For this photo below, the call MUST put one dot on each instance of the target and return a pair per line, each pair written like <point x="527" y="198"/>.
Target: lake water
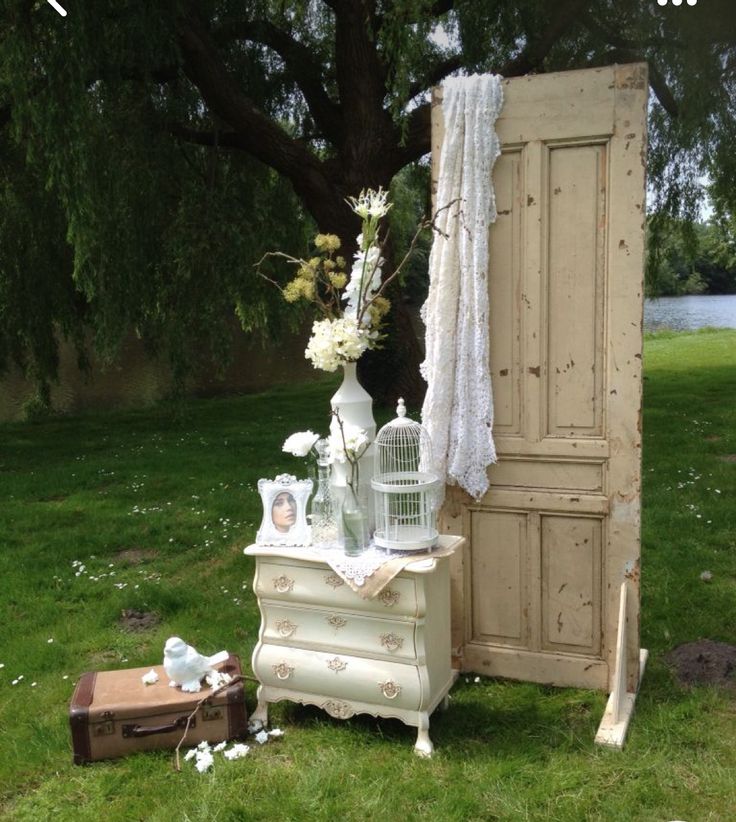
<point x="691" y="312"/>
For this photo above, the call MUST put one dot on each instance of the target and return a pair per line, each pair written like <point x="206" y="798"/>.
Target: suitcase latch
<point x="107" y="726"/>
<point x="211" y="712"/>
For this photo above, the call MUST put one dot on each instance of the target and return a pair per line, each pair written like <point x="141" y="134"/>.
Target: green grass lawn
<point x="157" y="508"/>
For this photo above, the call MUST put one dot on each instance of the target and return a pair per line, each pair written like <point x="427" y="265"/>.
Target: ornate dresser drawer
<point x="389" y="684"/>
<point x="323" y="587"/>
<point x="339" y="631"/>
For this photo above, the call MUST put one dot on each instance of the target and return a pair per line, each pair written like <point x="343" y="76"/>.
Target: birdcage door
<point x="536" y="593"/>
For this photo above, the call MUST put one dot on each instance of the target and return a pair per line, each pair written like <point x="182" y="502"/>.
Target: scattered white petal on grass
<point x="2" y="664"/>
<point x="15" y="682"/>
<point x="33" y="684"/>
<point x="220" y="746"/>
<point x="717" y="491"/>
<point x="276" y="733"/>
<point x="254" y="726"/>
<point x="20" y="676"/>
<point x="204" y="762"/>
<point x="477" y="679"/>
<point x="66" y="676"/>
<point x="50" y="640"/>
<point x="190" y="754"/>
<point x="237" y="751"/>
<point x="262" y="737"/>
<point x="151" y="678"/>
<point x="706" y="576"/>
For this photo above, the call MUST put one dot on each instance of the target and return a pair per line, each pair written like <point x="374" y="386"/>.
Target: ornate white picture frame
<point x="284" y="511"/>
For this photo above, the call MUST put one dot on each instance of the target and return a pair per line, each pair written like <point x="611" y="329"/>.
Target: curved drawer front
<point x="342" y="631"/>
<point x="322" y="586"/>
<point x="346" y="677"/>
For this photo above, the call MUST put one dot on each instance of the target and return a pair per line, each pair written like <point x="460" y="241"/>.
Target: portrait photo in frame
<point x="284" y="511"/>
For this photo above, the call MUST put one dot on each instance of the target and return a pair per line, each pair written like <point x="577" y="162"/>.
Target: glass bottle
<point x="324" y="526"/>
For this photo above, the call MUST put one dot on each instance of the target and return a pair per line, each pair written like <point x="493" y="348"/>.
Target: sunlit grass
<point x="158" y="508"/>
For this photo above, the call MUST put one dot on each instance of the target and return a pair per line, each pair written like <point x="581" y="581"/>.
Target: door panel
<point x="535" y="596"/>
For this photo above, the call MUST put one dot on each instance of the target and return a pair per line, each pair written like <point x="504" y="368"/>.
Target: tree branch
<point x="532" y="57"/>
<point x="223" y="139"/>
<point x="436" y="75"/>
<point x="303" y="69"/>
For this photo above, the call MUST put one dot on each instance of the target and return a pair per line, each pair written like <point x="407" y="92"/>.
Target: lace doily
<point x="358" y="569"/>
<point x="458" y="407"/>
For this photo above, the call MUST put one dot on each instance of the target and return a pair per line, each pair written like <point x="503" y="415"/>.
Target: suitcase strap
<point x="151" y="730"/>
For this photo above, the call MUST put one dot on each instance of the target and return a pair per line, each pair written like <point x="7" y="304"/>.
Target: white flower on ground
<point x="276" y="733"/>
<point x="150" y="678"/>
<point x="237" y="751"/>
<point x="300" y="443"/>
<point x="190" y="754"/>
<point x="262" y="737"/>
<point x="204" y="762"/>
<point x="220" y="746"/>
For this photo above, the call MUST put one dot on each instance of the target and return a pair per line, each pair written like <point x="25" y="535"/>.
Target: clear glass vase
<point x="324" y="524"/>
<point x="353" y="522"/>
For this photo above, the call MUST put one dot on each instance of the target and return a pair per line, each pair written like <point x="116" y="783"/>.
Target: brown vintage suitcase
<point x="112" y="713"/>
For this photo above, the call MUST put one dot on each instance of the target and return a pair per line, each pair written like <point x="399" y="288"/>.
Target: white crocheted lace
<point x="358" y="569"/>
<point x="458" y="408"/>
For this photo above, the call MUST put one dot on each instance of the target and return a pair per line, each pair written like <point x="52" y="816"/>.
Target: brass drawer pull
<point x="391" y="642"/>
<point x="337" y="665"/>
<point x="283" y="670"/>
<point x="389" y="597"/>
<point x="283" y="584"/>
<point x="390" y="689"/>
<point x="285" y="627"/>
<point x="336" y="621"/>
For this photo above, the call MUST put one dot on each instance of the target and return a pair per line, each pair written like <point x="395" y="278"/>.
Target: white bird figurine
<point x="185" y="666"/>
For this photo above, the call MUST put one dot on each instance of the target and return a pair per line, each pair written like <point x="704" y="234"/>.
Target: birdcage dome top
<point x="403" y="448"/>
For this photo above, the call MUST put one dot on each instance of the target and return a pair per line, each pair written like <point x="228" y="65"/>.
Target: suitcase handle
<point x="151" y="730"/>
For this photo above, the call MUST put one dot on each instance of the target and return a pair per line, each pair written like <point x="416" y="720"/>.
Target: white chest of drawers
<point x="321" y="643"/>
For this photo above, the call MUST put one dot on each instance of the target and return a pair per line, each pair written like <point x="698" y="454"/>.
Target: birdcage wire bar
<point x="405" y="491"/>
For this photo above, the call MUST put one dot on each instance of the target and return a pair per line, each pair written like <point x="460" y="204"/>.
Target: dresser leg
<point x="424" y="746"/>
<point x="261" y="712"/>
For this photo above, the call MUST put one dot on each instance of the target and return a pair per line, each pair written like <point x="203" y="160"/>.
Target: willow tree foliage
<point x="153" y="151"/>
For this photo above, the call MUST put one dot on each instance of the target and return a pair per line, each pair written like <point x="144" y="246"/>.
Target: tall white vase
<point x="355" y="406"/>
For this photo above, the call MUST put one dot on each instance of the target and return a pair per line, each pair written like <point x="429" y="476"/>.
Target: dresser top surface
<point x="424" y="564"/>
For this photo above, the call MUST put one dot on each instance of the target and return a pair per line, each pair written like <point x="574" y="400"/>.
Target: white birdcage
<point x="404" y="488"/>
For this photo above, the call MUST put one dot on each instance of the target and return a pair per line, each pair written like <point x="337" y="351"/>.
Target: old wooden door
<point x="536" y="593"/>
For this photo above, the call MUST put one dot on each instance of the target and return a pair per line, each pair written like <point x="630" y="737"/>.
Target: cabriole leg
<point x="424" y="746"/>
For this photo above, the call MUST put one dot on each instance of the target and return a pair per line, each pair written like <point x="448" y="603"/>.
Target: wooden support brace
<point x="620" y="707"/>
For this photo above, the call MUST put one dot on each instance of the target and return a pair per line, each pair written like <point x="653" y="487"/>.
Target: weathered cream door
<point x="536" y="593"/>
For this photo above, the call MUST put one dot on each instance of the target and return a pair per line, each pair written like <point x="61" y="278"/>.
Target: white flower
<point x="151" y="678"/>
<point x="370" y="203"/>
<point x="300" y="443"/>
<point x="237" y="751"/>
<point x="190" y="754"/>
<point x="276" y="733"/>
<point x="365" y="280"/>
<point x="337" y="341"/>
<point x="220" y="746"/>
<point x="204" y="762"/>
<point x="355" y="442"/>
<point x="216" y="679"/>
<point x="261" y="737"/>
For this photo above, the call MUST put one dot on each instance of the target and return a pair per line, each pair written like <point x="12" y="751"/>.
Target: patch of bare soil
<point x="704" y="663"/>
<point x="135" y="556"/>
<point x="137" y="621"/>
